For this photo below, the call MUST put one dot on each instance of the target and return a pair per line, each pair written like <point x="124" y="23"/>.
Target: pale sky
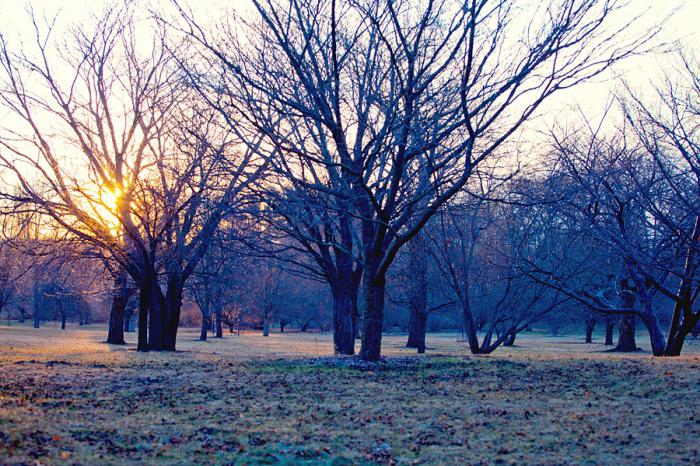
<point x="682" y="27"/>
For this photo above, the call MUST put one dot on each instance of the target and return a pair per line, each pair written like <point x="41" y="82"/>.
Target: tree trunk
<point x="413" y="329"/>
<point x="590" y="326"/>
<point x="417" y="292"/>
<point x="156" y="318"/>
<point x="626" y="341"/>
<point x="219" y="329"/>
<point x="416" y="331"/>
<point x="374" y="316"/>
<point x="469" y="326"/>
<point x="486" y="343"/>
<point x="422" y="319"/>
<point x="656" y="336"/>
<point x="627" y="324"/>
<point x="609" y="331"/>
<point x="63" y="318"/>
<point x="689" y="324"/>
<point x="205" y="327"/>
<point x="343" y="320"/>
<point x="509" y="340"/>
<point x="120" y="298"/>
<point x="36" y="292"/>
<point x="684" y="320"/>
<point x="22" y="311"/>
<point x="129" y="319"/>
<point x="144" y="309"/>
<point x="173" y="306"/>
<point x="674" y="346"/>
<point x="266" y="327"/>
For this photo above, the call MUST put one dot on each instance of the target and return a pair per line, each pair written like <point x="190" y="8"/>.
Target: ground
<point x="68" y="398"/>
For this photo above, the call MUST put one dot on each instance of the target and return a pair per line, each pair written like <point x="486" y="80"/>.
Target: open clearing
<point x="68" y="398"/>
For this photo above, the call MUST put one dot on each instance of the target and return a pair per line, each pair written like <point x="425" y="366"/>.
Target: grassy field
<point x="68" y="398"/>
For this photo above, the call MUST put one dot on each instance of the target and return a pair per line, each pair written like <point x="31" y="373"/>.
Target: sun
<point x="106" y="207"/>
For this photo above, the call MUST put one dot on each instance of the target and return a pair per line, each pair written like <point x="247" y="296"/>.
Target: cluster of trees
<point x="365" y="145"/>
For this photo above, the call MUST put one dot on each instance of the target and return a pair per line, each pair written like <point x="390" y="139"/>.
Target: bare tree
<point x="387" y="108"/>
<point x="633" y="199"/>
<point x="158" y="173"/>
<point x="669" y="132"/>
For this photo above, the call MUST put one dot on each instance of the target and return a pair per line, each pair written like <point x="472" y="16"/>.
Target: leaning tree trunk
<point x="684" y="320"/>
<point x="509" y="340"/>
<point x="120" y="298"/>
<point x="656" y="336"/>
<point x="470" y="327"/>
<point x="690" y="323"/>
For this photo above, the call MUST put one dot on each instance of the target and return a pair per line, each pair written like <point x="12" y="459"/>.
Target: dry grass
<point x="67" y="398"/>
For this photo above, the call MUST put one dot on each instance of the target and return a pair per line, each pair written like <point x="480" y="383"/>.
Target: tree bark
<point x="219" y="329"/>
<point x="690" y="324"/>
<point x="470" y="327"/>
<point x="373" y="321"/>
<point x="120" y="298"/>
<point x="417" y="292"/>
<point x="144" y="308"/>
<point x="205" y="327"/>
<point x="36" y="292"/>
<point x="590" y="326"/>
<point x="156" y="319"/>
<point x="266" y="327"/>
<point x="128" y="319"/>
<point x="173" y="307"/>
<point x="656" y="336"/>
<point x="343" y="320"/>
<point x="509" y="340"/>
<point x="627" y="325"/>
<point x="626" y="341"/>
<point x="413" y="331"/>
<point x="609" y="331"/>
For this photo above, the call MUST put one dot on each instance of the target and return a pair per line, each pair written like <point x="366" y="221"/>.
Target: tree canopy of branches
<point x="377" y="113"/>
